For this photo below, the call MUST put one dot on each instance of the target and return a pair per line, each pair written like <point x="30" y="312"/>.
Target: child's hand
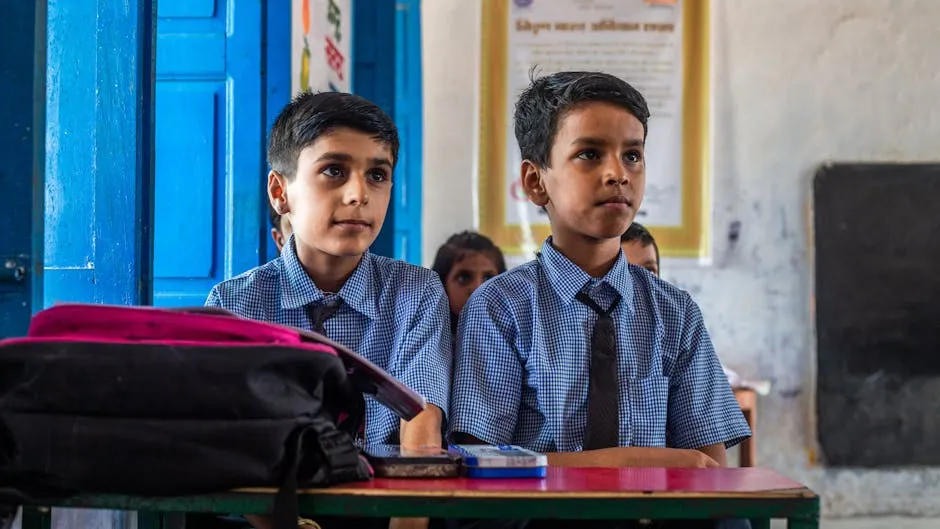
<point x="634" y="456"/>
<point x="690" y="459"/>
<point x="669" y="458"/>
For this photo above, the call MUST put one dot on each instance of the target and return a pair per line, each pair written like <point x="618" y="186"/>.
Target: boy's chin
<point x="348" y="248"/>
<point x="344" y="247"/>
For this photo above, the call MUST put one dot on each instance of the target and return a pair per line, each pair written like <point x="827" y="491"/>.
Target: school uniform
<point x="523" y="361"/>
<point x="392" y="313"/>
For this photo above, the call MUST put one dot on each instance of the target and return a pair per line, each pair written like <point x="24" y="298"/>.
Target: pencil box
<point x="501" y="461"/>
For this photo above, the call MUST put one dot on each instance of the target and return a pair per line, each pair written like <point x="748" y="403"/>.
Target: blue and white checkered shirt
<point x="395" y="314"/>
<point x="522" y="366"/>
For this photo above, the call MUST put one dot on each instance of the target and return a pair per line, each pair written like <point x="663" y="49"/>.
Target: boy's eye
<point x="633" y="157"/>
<point x="378" y="176"/>
<point x="589" y="154"/>
<point x="462" y="278"/>
<point x="333" y="171"/>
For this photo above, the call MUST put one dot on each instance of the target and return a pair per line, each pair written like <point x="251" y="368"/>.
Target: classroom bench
<point x="567" y="493"/>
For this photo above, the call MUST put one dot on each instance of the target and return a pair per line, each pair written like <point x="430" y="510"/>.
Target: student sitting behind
<point x="280" y="228"/>
<point x="332" y="156"/>
<point x="576" y="354"/>
<point x="464" y="263"/>
<point x="640" y="248"/>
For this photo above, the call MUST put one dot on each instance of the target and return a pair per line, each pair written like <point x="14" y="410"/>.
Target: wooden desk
<point x="747" y="399"/>
<point x="567" y="493"/>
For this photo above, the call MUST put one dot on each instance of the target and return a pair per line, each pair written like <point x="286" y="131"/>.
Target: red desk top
<point x="600" y="482"/>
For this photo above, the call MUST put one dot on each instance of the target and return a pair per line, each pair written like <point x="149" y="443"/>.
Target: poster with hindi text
<point x="661" y="47"/>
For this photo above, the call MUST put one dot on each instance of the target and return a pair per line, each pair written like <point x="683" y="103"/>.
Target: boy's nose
<point x="357" y="190"/>
<point x="615" y="173"/>
<point x="616" y="176"/>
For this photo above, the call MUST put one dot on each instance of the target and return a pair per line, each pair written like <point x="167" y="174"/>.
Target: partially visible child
<point x="640" y="248"/>
<point x="332" y="157"/>
<point x="464" y="263"/>
<point x="280" y="228"/>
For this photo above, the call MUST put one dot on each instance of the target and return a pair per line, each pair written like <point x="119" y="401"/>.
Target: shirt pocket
<point x="649" y="403"/>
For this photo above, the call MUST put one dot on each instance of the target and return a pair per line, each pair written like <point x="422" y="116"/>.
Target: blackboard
<point x="877" y="287"/>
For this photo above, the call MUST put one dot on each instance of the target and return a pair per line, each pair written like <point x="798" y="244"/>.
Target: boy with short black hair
<point x="576" y="354"/>
<point x="332" y="156"/>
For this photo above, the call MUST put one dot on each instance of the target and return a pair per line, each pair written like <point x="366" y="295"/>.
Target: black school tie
<point x="320" y="312"/>
<point x="603" y="422"/>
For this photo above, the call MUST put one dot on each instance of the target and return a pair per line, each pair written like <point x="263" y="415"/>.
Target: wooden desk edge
<point x="794" y="493"/>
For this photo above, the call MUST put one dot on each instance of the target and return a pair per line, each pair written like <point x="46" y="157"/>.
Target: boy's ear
<point x="532" y="184"/>
<point x="277" y="192"/>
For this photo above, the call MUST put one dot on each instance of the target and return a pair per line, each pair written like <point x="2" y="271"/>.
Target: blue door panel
<point x="209" y="145"/>
<point x="387" y="70"/>
<point x="187" y="125"/>
<point x="197" y="55"/>
<point x="186" y="8"/>
<point x="409" y="117"/>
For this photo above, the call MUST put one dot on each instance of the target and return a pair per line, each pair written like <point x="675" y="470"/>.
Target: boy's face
<point x="337" y="200"/>
<point x="639" y="255"/>
<point x="597" y="174"/>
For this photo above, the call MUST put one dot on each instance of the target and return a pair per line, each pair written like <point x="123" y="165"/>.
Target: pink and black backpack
<point x="142" y="401"/>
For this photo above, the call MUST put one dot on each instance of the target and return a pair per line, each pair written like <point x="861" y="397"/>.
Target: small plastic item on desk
<point x="393" y="461"/>
<point x="503" y="461"/>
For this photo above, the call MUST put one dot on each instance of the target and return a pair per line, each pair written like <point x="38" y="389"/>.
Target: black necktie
<point x="603" y="422"/>
<point x="320" y="312"/>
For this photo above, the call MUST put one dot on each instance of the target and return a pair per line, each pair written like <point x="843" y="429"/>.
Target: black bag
<point x="172" y="418"/>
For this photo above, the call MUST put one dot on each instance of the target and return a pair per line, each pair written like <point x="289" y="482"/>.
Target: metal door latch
<point x="13" y="270"/>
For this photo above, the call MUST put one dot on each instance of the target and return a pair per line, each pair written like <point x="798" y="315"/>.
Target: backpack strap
<point x="339" y="458"/>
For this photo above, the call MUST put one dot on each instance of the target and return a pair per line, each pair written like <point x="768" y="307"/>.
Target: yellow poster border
<point x="690" y="239"/>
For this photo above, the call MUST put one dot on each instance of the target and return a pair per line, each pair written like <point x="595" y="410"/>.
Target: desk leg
<point x="150" y="520"/>
<point x="760" y="523"/>
<point x="36" y="518"/>
<point x="803" y="522"/>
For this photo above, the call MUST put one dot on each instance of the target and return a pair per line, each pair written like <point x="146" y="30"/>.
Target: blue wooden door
<point x="209" y="146"/>
<point x="387" y="70"/>
<point x="22" y="128"/>
<point x="409" y="116"/>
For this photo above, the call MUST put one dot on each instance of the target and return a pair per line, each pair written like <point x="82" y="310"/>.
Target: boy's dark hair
<point x="311" y="115"/>
<point x="638" y="232"/>
<point x="547" y="99"/>
<point x="274" y="217"/>
<point x="459" y="245"/>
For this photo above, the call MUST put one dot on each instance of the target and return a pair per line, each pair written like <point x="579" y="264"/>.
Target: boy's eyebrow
<point x="345" y="157"/>
<point x="599" y="142"/>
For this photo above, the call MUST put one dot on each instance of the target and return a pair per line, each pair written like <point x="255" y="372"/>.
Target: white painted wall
<point x="795" y="84"/>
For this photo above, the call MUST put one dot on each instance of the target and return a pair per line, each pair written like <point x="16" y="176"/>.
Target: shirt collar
<point x="567" y="279"/>
<point x="298" y="290"/>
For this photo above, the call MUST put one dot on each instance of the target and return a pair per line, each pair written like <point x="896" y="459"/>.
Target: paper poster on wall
<point x="660" y="47"/>
<point x="321" y="50"/>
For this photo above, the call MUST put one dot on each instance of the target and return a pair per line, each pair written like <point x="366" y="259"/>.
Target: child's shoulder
<point x="514" y="289"/>
<point x="663" y="295"/>
<point x="254" y="284"/>
<point x="399" y="277"/>
<point x="260" y="278"/>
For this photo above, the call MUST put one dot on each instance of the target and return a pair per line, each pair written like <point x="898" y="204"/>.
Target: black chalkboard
<point x="877" y="247"/>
